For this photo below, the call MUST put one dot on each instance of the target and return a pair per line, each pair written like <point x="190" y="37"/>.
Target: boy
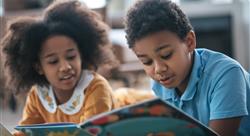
<point x="207" y="85"/>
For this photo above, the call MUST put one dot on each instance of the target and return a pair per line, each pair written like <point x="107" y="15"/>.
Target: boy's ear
<point x="191" y="41"/>
<point x="38" y="68"/>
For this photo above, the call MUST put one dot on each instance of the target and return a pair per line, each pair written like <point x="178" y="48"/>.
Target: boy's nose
<point x="160" y="67"/>
<point x="65" y="66"/>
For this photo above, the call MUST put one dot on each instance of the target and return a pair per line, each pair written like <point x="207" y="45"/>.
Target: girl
<point x="54" y="57"/>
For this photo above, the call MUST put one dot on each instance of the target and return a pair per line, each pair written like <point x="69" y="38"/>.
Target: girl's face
<point x="166" y="58"/>
<point x="60" y="62"/>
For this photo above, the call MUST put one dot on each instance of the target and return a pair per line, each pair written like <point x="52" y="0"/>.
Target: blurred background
<point x="220" y="25"/>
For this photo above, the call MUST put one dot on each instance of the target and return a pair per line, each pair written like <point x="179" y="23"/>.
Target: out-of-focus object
<point x="230" y="17"/>
<point x="206" y="1"/>
<point x="4" y="131"/>
<point x="95" y="4"/>
<point x="1" y="8"/>
<point x="220" y="25"/>
<point x="13" y="5"/>
<point x="127" y="96"/>
<point x="129" y="61"/>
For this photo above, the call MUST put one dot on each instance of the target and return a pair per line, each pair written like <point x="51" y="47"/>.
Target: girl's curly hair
<point x="22" y="43"/>
<point x="12" y="43"/>
<point x="89" y="25"/>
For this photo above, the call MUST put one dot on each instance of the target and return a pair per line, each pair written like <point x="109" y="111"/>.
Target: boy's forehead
<point x="158" y="37"/>
<point x="157" y="41"/>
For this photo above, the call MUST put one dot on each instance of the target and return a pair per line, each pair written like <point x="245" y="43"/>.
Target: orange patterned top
<point x="93" y="95"/>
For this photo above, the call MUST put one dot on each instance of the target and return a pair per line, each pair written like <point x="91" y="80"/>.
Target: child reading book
<point x="207" y="85"/>
<point x="55" y="57"/>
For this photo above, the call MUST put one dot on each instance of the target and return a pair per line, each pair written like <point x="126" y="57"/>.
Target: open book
<point x="149" y="118"/>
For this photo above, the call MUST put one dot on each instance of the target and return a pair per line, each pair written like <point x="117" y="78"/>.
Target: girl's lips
<point x="67" y="80"/>
<point x="66" y="77"/>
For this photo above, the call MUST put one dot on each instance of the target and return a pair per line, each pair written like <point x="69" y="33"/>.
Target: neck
<point x="179" y="92"/>
<point x="181" y="89"/>
<point x="62" y="96"/>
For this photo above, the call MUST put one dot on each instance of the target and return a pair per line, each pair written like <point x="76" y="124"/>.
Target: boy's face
<point x="166" y="58"/>
<point x="60" y="62"/>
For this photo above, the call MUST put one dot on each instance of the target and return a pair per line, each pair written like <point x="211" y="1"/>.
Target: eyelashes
<point x="167" y="56"/>
<point x="55" y="61"/>
<point x="150" y="61"/>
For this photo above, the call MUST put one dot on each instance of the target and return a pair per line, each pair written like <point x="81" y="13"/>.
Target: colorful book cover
<point x="149" y="118"/>
<point x="53" y="129"/>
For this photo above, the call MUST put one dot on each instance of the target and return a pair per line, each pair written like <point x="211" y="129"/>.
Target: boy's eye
<point x="166" y="56"/>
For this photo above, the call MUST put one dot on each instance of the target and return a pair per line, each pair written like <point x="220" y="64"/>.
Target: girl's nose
<point x="65" y="66"/>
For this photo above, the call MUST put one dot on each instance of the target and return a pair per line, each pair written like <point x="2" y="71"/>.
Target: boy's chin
<point x="169" y="87"/>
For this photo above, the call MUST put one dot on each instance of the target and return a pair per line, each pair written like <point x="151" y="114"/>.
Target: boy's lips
<point x="163" y="77"/>
<point x="167" y="80"/>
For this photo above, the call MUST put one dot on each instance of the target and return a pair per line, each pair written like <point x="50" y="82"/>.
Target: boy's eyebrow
<point x="162" y="47"/>
<point x="156" y="50"/>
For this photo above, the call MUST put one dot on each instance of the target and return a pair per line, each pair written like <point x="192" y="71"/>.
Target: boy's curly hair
<point x="149" y="16"/>
<point x="23" y="41"/>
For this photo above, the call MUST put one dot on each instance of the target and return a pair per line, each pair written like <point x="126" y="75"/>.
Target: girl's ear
<point x="38" y="69"/>
<point x="190" y="41"/>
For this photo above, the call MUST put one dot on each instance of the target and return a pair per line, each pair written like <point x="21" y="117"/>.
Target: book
<point x="53" y="129"/>
<point x="153" y="117"/>
<point x="4" y="131"/>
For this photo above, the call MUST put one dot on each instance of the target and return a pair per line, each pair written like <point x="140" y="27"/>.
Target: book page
<point x="52" y="129"/>
<point x="147" y="118"/>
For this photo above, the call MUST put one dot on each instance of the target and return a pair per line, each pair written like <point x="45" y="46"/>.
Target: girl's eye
<point x="52" y="61"/>
<point x="71" y="57"/>
<point x="167" y="56"/>
<point x="149" y="62"/>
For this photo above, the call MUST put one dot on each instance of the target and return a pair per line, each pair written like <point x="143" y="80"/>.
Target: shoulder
<point x="223" y="74"/>
<point x="99" y="90"/>
<point x="33" y="92"/>
<point x="98" y="79"/>
<point x="216" y="64"/>
<point x="99" y="83"/>
<point x="32" y="96"/>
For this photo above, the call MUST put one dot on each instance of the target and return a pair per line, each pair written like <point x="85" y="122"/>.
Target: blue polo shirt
<point x="218" y="88"/>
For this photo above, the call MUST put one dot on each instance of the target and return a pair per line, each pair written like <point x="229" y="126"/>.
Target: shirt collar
<point x="74" y="104"/>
